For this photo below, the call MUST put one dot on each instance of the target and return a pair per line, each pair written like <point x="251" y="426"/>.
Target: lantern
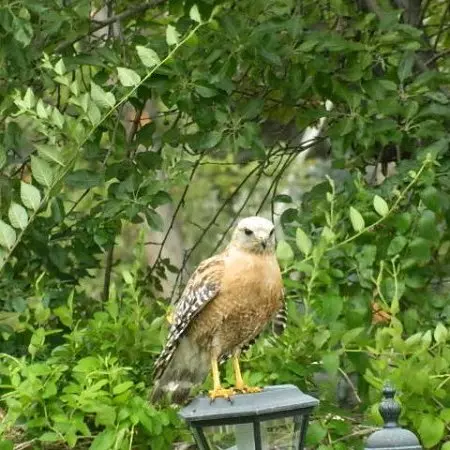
<point x="274" y="419"/>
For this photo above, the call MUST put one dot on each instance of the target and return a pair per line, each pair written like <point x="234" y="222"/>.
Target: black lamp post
<point x="273" y="419"/>
<point x="391" y="436"/>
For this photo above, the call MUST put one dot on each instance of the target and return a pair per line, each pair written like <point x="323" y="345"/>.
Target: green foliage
<point x="234" y="85"/>
<point x="91" y="388"/>
<point x="360" y="256"/>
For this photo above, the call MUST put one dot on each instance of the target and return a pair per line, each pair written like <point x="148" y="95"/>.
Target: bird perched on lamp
<point x="226" y="304"/>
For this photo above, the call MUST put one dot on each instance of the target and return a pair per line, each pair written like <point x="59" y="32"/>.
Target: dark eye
<point x="248" y="232"/>
<point x="271" y="232"/>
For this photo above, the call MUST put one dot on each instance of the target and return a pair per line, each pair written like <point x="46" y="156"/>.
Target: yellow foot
<point x="248" y="389"/>
<point x="221" y="393"/>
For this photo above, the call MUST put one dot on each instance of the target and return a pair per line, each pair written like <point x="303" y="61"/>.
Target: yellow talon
<point x="240" y="385"/>
<point x="218" y="391"/>
<point x="221" y="393"/>
<point x="248" y="389"/>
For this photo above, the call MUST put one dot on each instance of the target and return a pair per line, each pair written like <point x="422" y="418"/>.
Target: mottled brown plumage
<point x="226" y="304"/>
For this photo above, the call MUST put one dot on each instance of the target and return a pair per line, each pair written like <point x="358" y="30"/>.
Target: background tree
<point x="122" y="120"/>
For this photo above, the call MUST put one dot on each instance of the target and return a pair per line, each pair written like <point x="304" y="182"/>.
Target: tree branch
<point x="134" y="11"/>
<point x="175" y="214"/>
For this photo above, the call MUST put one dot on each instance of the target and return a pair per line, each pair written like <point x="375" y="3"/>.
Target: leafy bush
<point x="91" y="390"/>
<point x="233" y="86"/>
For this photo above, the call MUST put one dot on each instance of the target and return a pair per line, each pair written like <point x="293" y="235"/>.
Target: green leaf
<point x="122" y="387"/>
<point x="357" y="219"/>
<point x="205" y="91"/>
<point x="64" y="314"/>
<point x="445" y="415"/>
<point x="350" y="335"/>
<point x="330" y="362"/>
<point x="30" y="196"/>
<point x="2" y="156"/>
<point x="446" y="446"/>
<point x="210" y="140"/>
<point x="160" y="198"/>
<point x="327" y="234"/>
<point x="172" y="35"/>
<point x="145" y="420"/>
<point x="88" y="364"/>
<point x="7" y="235"/>
<point x="18" y="216"/>
<point x="29" y="99"/>
<point x="23" y="31"/>
<point x="380" y="205"/>
<point x="154" y="220"/>
<point x="405" y="67"/>
<point x="282" y="198"/>
<point x="431" y="430"/>
<point x="84" y="179"/>
<point x="426" y="226"/>
<point x="440" y="333"/>
<point x="148" y="56"/>
<point x="430" y="198"/>
<point x="40" y="110"/>
<point x="315" y="433"/>
<point x="51" y="153"/>
<point x="101" y="97"/>
<point x="303" y="242"/>
<point x="284" y="251"/>
<point x="60" y="67"/>
<point x="42" y="171"/>
<point x="6" y="444"/>
<point x="57" y="118"/>
<point x="194" y="14"/>
<point x="128" y="77"/>
<point x="397" y="245"/>
<point x="94" y="113"/>
<point x="49" y="436"/>
<point x="104" y="441"/>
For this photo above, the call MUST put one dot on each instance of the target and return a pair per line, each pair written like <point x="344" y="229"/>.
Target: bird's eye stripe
<point x="248" y="232"/>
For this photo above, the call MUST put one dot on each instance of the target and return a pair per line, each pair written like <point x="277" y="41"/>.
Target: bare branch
<point x="441" y="26"/>
<point x="175" y="214"/>
<point x="134" y="11"/>
<point x="108" y="270"/>
<point x="238" y="213"/>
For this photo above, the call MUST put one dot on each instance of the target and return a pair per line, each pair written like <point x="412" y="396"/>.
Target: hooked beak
<point x="263" y="241"/>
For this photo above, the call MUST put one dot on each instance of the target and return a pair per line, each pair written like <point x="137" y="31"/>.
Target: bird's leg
<point x="218" y="391"/>
<point x="239" y="382"/>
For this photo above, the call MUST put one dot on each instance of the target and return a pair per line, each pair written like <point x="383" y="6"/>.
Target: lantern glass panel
<point x="281" y="433"/>
<point x="230" y="437"/>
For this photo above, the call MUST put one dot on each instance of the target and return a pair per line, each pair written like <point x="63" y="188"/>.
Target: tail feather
<point x="187" y="367"/>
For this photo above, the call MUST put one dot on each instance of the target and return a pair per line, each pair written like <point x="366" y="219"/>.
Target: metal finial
<point x="389" y="408"/>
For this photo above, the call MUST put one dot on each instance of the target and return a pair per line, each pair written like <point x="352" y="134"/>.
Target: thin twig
<point x="437" y="56"/>
<point x="356" y="434"/>
<point x="174" y="215"/>
<point x="275" y="180"/>
<point x="424" y="11"/>
<point x="238" y="213"/>
<point x="441" y="25"/>
<point x="352" y="386"/>
<point x="218" y="212"/>
<point x="108" y="270"/>
<point x="134" y="11"/>
<point x="370" y="227"/>
<point x="110" y="254"/>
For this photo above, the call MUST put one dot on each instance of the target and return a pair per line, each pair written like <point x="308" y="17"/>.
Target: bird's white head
<point x="255" y="235"/>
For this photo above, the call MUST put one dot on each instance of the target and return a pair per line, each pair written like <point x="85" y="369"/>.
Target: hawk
<point x="227" y="302"/>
